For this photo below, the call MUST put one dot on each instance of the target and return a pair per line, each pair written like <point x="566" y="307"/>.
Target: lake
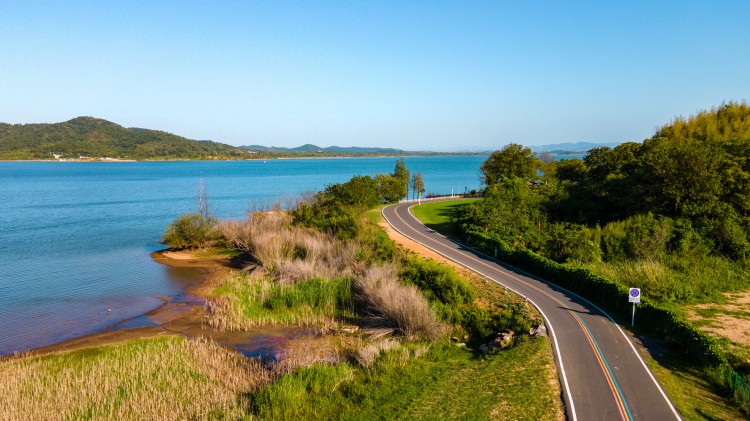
<point x="76" y="237"/>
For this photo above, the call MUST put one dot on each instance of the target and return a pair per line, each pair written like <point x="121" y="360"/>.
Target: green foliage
<point x="513" y="161"/>
<point x="417" y="185"/>
<point x="389" y="188"/>
<point x="96" y="138"/>
<point x="566" y="242"/>
<point x="638" y="237"/>
<point x="328" y="216"/>
<point x="403" y="385"/>
<point x="190" y="231"/>
<point x="401" y="173"/>
<point x="377" y="246"/>
<point x="262" y="301"/>
<point x="510" y="209"/>
<point x="438" y="281"/>
<point x="360" y="191"/>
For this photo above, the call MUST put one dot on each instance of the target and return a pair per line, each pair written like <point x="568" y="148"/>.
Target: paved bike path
<point x="602" y="375"/>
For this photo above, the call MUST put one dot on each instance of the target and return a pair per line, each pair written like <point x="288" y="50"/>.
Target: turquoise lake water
<point x="76" y="237"/>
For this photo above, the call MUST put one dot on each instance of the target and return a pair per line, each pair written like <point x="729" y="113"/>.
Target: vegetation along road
<point x="602" y="375"/>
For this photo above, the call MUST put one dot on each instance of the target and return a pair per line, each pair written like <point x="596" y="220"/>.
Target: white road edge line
<point x="643" y="363"/>
<point x="547" y="321"/>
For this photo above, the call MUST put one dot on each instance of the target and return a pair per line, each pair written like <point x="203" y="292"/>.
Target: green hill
<point x="97" y="138"/>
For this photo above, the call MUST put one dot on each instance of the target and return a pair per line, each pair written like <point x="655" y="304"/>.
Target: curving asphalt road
<point x="602" y="375"/>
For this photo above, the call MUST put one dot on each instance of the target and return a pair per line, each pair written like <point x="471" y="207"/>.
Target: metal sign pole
<point x="634" y="296"/>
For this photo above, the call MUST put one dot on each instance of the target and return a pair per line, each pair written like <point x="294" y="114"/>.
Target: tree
<point x="510" y="210"/>
<point x="417" y="185"/>
<point x="401" y="173"/>
<point x="390" y="189"/>
<point x="512" y="161"/>
<point x="360" y="191"/>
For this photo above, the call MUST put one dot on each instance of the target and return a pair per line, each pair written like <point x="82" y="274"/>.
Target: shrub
<point x="437" y="281"/>
<point x="190" y="231"/>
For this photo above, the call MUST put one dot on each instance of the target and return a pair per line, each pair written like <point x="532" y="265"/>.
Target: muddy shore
<point x="182" y="315"/>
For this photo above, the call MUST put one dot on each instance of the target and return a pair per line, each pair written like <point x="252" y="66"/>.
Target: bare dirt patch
<point x="729" y="320"/>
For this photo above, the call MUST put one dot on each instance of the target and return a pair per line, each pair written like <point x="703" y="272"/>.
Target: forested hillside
<point x="96" y="138"/>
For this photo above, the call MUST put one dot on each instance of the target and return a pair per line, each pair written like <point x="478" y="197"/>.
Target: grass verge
<point x="445" y="383"/>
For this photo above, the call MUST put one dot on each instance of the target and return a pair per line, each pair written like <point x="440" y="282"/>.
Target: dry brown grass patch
<point x="404" y="306"/>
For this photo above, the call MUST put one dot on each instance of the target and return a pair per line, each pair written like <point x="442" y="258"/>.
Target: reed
<point x="165" y="378"/>
<point x="245" y="301"/>
<point x="403" y="305"/>
<point x="290" y="253"/>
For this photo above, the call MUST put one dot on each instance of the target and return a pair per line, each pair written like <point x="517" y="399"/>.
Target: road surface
<point x="601" y="373"/>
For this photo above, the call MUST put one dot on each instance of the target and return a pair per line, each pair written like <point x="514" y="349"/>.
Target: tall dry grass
<point x="403" y="305"/>
<point x="166" y="379"/>
<point x="289" y="253"/>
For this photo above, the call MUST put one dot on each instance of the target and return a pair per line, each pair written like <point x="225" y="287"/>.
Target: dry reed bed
<point x="383" y="295"/>
<point x="289" y="253"/>
<point x="154" y="379"/>
<point x="165" y="379"/>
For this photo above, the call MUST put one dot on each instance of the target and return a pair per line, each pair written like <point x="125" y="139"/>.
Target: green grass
<point x="679" y="279"/>
<point x="693" y="392"/>
<point x="438" y="215"/>
<point x="249" y="301"/>
<point x="446" y="383"/>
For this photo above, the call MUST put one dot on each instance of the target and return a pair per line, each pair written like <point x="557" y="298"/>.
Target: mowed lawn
<point x="439" y="215"/>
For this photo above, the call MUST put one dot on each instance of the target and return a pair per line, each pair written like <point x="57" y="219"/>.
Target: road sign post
<point x="634" y="296"/>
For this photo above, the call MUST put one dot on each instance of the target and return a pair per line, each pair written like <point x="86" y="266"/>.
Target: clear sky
<point x="417" y="75"/>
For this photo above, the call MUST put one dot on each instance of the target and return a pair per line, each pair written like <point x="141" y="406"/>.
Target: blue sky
<point x="413" y="75"/>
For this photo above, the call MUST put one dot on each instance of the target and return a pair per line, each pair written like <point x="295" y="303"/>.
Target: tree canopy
<point x="694" y="171"/>
<point x="512" y="161"/>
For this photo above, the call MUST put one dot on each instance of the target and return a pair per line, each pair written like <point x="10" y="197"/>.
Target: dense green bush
<point x="438" y="281"/>
<point x="190" y="230"/>
<point x="637" y="237"/>
<point x="565" y="242"/>
<point x="696" y="346"/>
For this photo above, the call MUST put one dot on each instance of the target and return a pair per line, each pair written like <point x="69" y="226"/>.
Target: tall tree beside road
<point x="389" y="188"/>
<point x="513" y="160"/>
<point x="401" y="173"/>
<point x="417" y="185"/>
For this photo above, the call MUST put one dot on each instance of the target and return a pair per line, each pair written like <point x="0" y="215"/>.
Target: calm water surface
<point x="75" y="238"/>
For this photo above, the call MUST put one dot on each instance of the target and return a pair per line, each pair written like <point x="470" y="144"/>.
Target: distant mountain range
<point x="308" y="148"/>
<point x="93" y="138"/>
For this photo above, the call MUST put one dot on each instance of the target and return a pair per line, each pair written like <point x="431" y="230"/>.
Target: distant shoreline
<point x="250" y="159"/>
